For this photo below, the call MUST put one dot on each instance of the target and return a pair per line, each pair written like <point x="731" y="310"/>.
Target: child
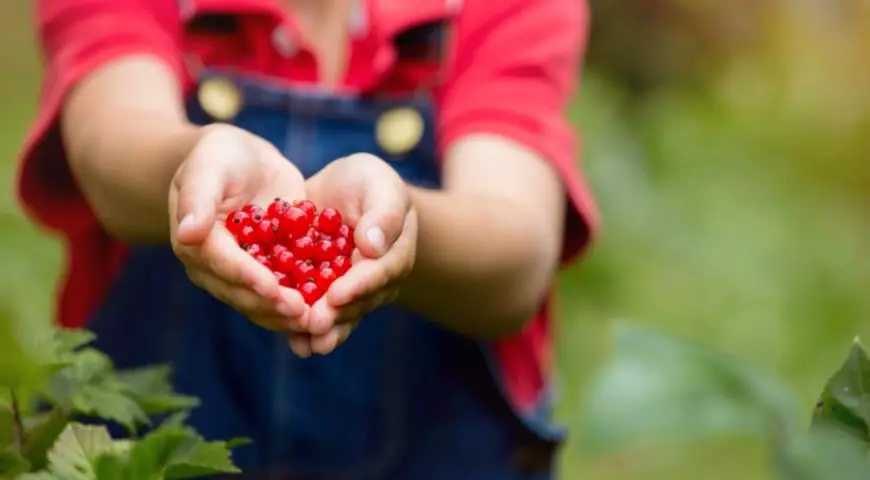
<point x="435" y="126"/>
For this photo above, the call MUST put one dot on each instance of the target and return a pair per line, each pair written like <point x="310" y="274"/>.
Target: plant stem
<point x="18" y="422"/>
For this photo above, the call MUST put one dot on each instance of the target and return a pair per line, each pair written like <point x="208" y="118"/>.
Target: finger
<point x="245" y="301"/>
<point x="322" y="317"/>
<point x="300" y="343"/>
<point x="383" y="219"/>
<point x="363" y="279"/>
<point x="326" y="343"/>
<point x="227" y="261"/>
<point x="197" y="191"/>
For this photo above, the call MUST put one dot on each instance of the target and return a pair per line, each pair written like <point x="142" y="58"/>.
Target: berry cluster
<point x="305" y="249"/>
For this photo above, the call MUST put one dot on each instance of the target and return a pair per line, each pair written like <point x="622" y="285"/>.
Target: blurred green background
<point x="727" y="145"/>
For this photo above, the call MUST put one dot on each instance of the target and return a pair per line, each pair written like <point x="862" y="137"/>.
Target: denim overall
<point x="401" y="399"/>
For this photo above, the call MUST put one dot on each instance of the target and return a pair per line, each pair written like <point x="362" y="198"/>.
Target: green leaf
<point x="823" y="453"/>
<point x="660" y="387"/>
<point x="76" y="448"/>
<point x="845" y="400"/>
<point x="42" y="436"/>
<point x="150" y="387"/>
<point x="168" y="453"/>
<point x="89" y="386"/>
<point x="12" y="464"/>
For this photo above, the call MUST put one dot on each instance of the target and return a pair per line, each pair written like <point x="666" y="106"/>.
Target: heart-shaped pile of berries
<point x="305" y="249"/>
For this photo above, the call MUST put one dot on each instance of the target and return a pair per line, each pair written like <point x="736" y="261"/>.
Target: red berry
<point x="265" y="232"/>
<point x="254" y="249"/>
<point x="340" y="264"/>
<point x="325" y="277"/>
<point x="285" y="280"/>
<point x="263" y="260"/>
<point x="277" y="208"/>
<point x="325" y="251"/>
<point x="285" y="262"/>
<point x="308" y="207"/>
<point x="314" y="234"/>
<point x="324" y="264"/>
<point x="345" y="231"/>
<point x="304" y="272"/>
<point x="310" y="292"/>
<point x="343" y="246"/>
<point x="246" y="235"/>
<point x="251" y="208"/>
<point x="237" y="220"/>
<point x="329" y="221"/>
<point x="277" y="249"/>
<point x="295" y="222"/>
<point x="303" y="248"/>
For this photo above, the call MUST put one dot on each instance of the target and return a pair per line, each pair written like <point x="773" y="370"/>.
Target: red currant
<point x="236" y="220"/>
<point x="324" y="264"/>
<point x="310" y="292"/>
<point x="344" y="246"/>
<point x="286" y="280"/>
<point x="254" y="249"/>
<point x="263" y="260"/>
<point x="284" y="262"/>
<point x="277" y="208"/>
<point x="325" y="277"/>
<point x="295" y="222"/>
<point x="303" y="248"/>
<point x="265" y="233"/>
<point x="325" y="251"/>
<point x="340" y="264"/>
<point x="304" y="272"/>
<point x="308" y="207"/>
<point x="328" y="221"/>
<point x="251" y="208"/>
<point x="345" y="231"/>
<point x="246" y="235"/>
<point x="277" y="249"/>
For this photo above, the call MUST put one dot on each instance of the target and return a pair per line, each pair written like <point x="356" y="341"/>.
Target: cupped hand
<point x="227" y="169"/>
<point x="375" y="201"/>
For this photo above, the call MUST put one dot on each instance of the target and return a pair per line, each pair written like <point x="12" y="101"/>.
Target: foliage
<point x="663" y="388"/>
<point x="57" y="406"/>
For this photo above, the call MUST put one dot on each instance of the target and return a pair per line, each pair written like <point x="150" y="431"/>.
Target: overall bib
<point x="402" y="399"/>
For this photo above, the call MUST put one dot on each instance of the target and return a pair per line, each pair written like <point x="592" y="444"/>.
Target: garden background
<point x="727" y="144"/>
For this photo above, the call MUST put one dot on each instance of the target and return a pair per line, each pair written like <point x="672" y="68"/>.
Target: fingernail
<point x="376" y="238"/>
<point x="186" y="221"/>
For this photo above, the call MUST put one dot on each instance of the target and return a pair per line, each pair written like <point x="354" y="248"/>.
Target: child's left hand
<point x="374" y="200"/>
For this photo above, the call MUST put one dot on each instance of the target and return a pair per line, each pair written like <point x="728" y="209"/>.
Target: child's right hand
<point x="227" y="169"/>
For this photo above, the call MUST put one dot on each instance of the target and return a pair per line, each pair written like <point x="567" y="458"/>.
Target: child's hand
<point x="227" y="169"/>
<point x="375" y="201"/>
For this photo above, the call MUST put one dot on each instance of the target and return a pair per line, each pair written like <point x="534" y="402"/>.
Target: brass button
<point x="399" y="130"/>
<point x="220" y="98"/>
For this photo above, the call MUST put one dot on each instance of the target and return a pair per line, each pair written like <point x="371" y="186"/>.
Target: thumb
<point x="198" y="193"/>
<point x="200" y="183"/>
<point x="382" y="221"/>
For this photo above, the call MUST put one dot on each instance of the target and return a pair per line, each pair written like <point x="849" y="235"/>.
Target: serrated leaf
<point x="12" y="464"/>
<point x="76" y="448"/>
<point x="41" y="437"/>
<point x="150" y="387"/>
<point x="174" y="453"/>
<point x="845" y="401"/>
<point x="660" y="387"/>
<point x="89" y="387"/>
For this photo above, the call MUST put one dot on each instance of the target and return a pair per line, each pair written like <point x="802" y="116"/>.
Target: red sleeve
<point x="78" y="36"/>
<point x="516" y="67"/>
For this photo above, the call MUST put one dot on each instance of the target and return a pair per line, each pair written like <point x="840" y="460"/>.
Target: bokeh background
<point x="727" y="143"/>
